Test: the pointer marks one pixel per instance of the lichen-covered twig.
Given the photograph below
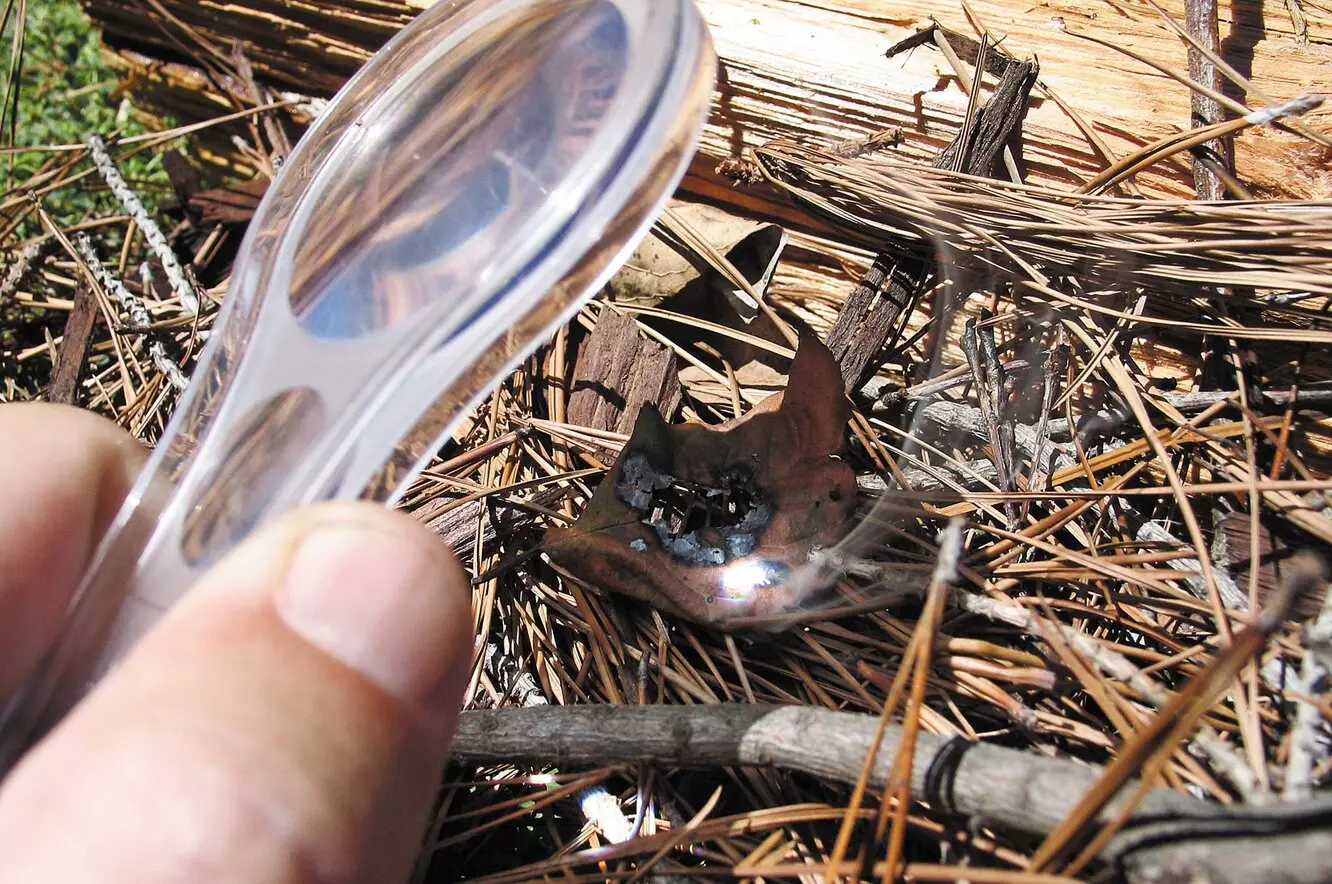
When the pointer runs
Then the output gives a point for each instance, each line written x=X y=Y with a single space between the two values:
x=1311 y=738
x=180 y=284
x=133 y=306
x=18 y=268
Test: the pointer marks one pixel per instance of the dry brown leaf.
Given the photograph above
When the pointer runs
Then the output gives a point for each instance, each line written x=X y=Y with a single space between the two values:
x=711 y=523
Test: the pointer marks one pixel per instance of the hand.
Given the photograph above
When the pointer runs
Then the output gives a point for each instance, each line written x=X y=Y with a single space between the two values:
x=287 y=721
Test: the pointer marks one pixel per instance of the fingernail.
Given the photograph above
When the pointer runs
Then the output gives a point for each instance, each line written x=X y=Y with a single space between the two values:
x=378 y=602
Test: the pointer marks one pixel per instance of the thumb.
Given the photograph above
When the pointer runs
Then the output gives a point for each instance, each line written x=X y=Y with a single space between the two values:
x=287 y=721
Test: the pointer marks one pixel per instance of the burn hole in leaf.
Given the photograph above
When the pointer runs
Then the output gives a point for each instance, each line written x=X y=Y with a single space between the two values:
x=697 y=524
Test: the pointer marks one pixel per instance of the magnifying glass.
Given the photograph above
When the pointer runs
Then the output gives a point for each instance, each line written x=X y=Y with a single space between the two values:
x=462 y=196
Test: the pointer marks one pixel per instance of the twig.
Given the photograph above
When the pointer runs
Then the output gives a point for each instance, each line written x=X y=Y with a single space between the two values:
x=106 y=166
x=992 y=394
x=969 y=419
x=70 y=363
x=1235 y=77
x=1056 y=365
x=1298 y=21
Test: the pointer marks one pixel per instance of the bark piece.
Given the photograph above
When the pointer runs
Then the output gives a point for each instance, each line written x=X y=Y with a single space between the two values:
x=184 y=175
x=1276 y=549
x=997 y=124
x=232 y=204
x=1200 y=18
x=874 y=313
x=619 y=370
x=876 y=309
x=73 y=355
x=966 y=48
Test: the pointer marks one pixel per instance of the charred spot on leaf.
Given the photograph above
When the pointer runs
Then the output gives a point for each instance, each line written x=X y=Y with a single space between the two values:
x=702 y=524
x=713 y=523
x=638 y=482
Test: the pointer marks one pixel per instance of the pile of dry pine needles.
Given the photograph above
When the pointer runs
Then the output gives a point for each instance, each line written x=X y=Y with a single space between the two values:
x=1084 y=639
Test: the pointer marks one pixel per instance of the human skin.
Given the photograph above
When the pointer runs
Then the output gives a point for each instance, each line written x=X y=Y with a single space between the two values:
x=287 y=721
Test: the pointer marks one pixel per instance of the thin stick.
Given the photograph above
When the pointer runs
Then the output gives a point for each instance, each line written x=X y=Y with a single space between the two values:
x=899 y=779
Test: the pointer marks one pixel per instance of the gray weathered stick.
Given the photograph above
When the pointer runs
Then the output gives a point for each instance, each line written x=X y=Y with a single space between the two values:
x=1174 y=837
x=1310 y=734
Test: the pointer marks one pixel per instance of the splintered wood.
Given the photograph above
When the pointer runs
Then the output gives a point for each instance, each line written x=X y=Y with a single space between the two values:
x=818 y=74
x=817 y=70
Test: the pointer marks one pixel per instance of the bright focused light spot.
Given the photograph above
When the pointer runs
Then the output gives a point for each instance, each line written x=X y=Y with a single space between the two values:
x=742 y=578
x=603 y=810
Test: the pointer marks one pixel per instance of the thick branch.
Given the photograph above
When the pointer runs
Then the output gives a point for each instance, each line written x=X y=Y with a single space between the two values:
x=1173 y=837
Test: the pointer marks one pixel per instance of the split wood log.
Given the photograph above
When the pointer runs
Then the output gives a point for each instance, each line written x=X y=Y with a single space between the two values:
x=1171 y=837
x=805 y=70
x=814 y=69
